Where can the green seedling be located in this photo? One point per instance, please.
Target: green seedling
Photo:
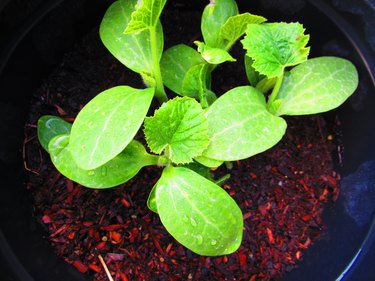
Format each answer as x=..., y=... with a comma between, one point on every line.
x=200, y=129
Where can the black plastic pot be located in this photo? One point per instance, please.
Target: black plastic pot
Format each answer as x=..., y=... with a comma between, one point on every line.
x=37, y=33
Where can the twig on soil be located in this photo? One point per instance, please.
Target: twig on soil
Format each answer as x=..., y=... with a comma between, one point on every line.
x=105, y=268
x=24, y=155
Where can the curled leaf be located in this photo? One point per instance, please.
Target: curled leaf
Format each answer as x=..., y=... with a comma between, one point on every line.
x=213, y=55
x=50, y=127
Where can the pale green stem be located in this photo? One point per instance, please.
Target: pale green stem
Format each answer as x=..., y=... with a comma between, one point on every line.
x=163, y=161
x=276, y=89
x=203, y=88
x=167, y=157
x=158, y=160
x=159, y=91
x=222, y=179
x=229, y=45
x=211, y=67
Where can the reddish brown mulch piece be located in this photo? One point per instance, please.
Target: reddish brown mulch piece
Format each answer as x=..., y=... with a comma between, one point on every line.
x=282, y=192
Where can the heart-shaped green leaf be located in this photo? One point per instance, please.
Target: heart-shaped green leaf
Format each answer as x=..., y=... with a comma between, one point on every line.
x=240, y=126
x=133, y=50
x=50, y=127
x=175, y=64
x=180, y=128
x=214, y=17
x=145, y=16
x=117, y=171
x=107, y=124
x=198, y=213
x=317, y=85
x=274, y=46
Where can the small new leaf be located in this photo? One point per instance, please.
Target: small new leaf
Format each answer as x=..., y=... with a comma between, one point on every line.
x=213, y=55
x=180, y=128
x=214, y=16
x=175, y=64
x=192, y=82
x=50, y=127
x=236, y=25
x=198, y=213
x=274, y=46
x=145, y=16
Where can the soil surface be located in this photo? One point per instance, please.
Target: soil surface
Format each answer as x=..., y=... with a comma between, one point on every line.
x=282, y=192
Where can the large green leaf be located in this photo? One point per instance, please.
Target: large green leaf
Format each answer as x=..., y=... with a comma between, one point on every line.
x=117, y=171
x=180, y=128
x=236, y=25
x=317, y=85
x=50, y=127
x=214, y=17
x=274, y=46
x=133, y=50
x=239, y=125
x=198, y=213
x=145, y=16
x=107, y=124
x=175, y=64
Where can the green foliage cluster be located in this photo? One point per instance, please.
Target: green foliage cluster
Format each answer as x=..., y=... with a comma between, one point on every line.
x=198, y=129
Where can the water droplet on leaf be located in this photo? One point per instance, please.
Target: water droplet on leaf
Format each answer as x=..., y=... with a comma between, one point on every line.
x=91, y=173
x=199, y=239
x=213, y=242
x=193, y=222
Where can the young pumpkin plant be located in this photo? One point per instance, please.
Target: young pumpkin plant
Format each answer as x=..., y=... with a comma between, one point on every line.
x=198, y=129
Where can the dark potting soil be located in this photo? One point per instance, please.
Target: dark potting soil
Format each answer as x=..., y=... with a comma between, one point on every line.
x=282, y=192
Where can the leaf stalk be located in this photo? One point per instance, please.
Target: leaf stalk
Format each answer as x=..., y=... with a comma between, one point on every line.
x=159, y=92
x=276, y=89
